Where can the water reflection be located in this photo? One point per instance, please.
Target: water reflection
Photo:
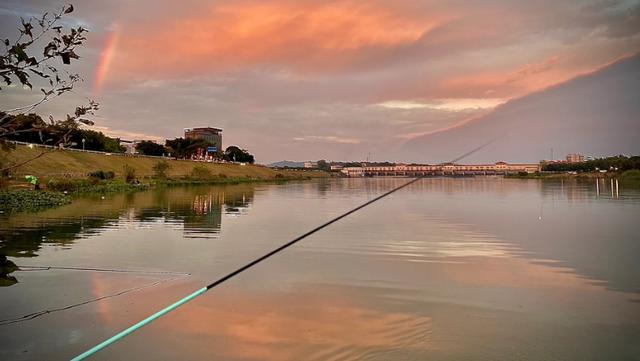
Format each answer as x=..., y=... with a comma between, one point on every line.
x=447, y=269
x=196, y=210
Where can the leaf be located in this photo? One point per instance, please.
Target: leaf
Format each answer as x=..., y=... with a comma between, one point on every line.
x=50, y=47
x=24, y=78
x=19, y=52
x=65, y=58
x=7, y=79
x=69, y=9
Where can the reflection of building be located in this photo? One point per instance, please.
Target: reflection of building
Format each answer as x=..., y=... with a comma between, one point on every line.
x=575, y=158
x=211, y=135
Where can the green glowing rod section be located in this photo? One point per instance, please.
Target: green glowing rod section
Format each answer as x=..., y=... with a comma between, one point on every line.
x=138, y=325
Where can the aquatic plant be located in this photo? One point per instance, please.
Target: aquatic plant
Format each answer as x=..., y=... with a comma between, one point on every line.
x=28, y=200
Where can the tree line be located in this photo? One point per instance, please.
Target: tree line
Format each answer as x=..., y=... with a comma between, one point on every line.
x=619, y=162
x=31, y=128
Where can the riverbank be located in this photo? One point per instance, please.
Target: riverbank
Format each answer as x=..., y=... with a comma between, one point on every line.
x=70, y=164
x=566, y=175
x=64, y=174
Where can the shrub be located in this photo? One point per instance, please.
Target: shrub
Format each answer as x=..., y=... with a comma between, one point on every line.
x=279, y=176
x=160, y=169
x=129, y=173
x=100, y=174
x=66, y=185
x=200, y=172
x=222, y=175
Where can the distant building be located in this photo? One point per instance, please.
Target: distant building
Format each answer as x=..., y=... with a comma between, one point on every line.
x=311, y=164
x=575, y=158
x=211, y=135
x=447, y=168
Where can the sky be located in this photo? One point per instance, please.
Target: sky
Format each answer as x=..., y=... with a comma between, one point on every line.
x=335, y=80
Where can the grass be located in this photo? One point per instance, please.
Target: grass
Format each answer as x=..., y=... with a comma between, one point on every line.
x=65, y=172
x=78, y=164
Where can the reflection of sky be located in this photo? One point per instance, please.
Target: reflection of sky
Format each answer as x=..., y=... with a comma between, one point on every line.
x=448, y=269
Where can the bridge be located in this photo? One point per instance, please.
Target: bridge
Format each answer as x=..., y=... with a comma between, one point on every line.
x=440, y=169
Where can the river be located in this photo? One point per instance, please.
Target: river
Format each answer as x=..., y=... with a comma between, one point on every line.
x=481, y=268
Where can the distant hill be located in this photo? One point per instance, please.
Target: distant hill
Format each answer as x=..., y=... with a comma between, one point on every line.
x=287, y=164
x=596, y=114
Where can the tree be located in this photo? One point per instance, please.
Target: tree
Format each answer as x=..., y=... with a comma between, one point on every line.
x=236, y=154
x=323, y=165
x=148, y=147
x=19, y=62
x=31, y=128
x=185, y=148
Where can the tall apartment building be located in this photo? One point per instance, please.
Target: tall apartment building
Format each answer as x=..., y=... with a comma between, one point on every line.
x=211, y=135
x=575, y=158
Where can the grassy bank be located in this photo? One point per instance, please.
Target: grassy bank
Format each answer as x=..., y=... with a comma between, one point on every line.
x=65, y=173
x=78, y=164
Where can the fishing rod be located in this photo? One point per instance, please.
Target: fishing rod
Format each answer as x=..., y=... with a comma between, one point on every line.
x=122, y=334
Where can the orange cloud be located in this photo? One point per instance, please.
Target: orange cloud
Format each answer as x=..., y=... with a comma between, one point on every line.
x=302, y=35
x=510, y=83
x=281, y=326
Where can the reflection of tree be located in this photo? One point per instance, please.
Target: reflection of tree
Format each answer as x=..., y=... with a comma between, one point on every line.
x=25, y=242
x=198, y=209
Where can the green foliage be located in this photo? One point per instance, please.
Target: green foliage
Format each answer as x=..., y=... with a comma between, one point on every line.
x=631, y=176
x=100, y=174
x=160, y=169
x=68, y=185
x=148, y=147
x=236, y=154
x=184, y=148
x=23, y=200
x=620, y=162
x=31, y=128
x=20, y=61
x=42, y=42
x=323, y=165
x=129, y=173
x=200, y=172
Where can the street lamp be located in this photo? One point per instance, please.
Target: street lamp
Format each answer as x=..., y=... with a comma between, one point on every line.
x=83, y=140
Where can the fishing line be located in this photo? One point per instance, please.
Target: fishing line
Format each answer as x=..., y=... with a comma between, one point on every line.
x=22, y=268
x=202, y=290
x=37, y=314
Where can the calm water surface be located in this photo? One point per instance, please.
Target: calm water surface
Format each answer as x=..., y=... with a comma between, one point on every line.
x=447, y=269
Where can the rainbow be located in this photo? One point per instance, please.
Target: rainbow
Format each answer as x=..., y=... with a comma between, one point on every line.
x=106, y=57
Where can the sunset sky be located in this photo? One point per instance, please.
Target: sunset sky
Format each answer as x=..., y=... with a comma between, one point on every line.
x=323, y=79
